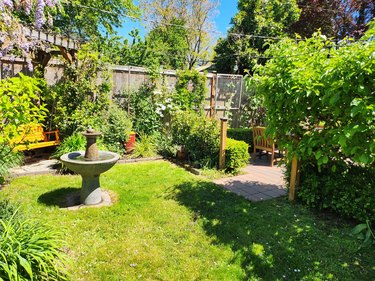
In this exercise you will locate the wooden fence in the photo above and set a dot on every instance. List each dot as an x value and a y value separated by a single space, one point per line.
223 98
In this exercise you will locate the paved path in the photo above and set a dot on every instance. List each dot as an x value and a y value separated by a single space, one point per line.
261 182
42 167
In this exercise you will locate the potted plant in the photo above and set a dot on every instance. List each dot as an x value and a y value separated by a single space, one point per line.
130 144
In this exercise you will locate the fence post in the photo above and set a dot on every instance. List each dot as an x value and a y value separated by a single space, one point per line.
294 177
223 141
212 98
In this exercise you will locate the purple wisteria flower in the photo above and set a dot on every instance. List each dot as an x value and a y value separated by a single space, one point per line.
50 3
8 3
39 14
7 20
27 5
29 64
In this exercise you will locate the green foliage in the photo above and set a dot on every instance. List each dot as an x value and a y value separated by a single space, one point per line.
143 110
7 209
168 45
78 100
164 144
115 126
72 143
199 134
89 23
9 159
20 104
144 146
241 134
236 155
348 190
252 110
117 50
29 250
321 86
364 232
190 89
263 18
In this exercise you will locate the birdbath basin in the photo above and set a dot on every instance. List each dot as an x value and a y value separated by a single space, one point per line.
90 164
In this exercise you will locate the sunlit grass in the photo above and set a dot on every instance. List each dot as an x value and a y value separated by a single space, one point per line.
170 225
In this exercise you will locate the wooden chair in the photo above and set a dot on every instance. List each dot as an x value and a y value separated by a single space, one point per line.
262 143
34 137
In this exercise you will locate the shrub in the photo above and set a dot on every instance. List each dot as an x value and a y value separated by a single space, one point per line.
305 91
164 144
29 250
20 104
74 142
115 127
241 134
82 93
143 110
199 135
144 147
236 155
348 190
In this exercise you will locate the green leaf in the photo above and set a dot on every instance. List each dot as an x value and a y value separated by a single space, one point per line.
359 228
26 265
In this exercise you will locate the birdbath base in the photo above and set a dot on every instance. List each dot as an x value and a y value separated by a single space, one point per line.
90 191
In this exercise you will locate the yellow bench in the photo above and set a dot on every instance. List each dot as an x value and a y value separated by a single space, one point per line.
34 137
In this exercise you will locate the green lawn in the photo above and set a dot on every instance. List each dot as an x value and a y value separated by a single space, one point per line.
170 225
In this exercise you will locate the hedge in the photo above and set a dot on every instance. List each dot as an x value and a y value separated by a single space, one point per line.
236 155
241 134
346 189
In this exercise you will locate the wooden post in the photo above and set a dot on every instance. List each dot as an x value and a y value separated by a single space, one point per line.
223 142
212 98
293 179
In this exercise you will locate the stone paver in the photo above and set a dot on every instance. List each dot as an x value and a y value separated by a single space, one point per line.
42 167
261 181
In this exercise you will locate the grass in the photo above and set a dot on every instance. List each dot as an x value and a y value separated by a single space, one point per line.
170 225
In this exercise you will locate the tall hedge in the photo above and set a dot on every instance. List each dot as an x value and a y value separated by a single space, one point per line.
320 104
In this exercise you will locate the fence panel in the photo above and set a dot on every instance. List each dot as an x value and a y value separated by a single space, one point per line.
223 95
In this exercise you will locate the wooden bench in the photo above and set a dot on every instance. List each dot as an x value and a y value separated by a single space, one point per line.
33 136
262 143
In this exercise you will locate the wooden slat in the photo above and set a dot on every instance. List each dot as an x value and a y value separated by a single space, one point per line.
34 137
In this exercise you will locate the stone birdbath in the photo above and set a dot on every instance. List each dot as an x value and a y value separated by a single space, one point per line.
90 164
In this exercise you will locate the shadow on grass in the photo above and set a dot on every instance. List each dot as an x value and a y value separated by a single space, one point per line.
272 240
63 197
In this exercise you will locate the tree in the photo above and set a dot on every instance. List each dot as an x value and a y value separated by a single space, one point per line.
196 18
335 18
88 18
117 50
240 49
168 45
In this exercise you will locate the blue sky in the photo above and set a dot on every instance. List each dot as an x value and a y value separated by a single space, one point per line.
226 11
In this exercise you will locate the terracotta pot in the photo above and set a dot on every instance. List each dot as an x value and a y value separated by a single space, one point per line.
130 144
